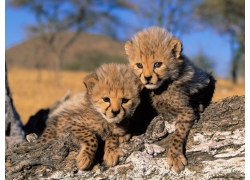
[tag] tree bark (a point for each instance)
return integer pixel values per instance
(215, 149)
(13, 126)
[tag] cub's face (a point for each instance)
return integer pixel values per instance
(114, 91)
(152, 70)
(154, 57)
(114, 104)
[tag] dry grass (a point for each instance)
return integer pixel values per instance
(31, 94)
(225, 88)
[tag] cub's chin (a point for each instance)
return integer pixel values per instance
(151, 86)
(154, 86)
(114, 120)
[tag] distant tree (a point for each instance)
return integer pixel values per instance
(227, 17)
(204, 61)
(56, 16)
(177, 16)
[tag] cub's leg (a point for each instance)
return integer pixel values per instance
(55, 127)
(89, 145)
(49, 133)
(111, 150)
(175, 154)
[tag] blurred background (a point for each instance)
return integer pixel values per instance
(50, 45)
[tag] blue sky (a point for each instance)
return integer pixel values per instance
(212, 44)
(15, 22)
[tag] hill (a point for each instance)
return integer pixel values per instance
(87, 52)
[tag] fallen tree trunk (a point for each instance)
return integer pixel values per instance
(215, 150)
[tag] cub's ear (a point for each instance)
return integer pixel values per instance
(90, 81)
(176, 47)
(128, 47)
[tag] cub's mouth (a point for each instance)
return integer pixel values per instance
(153, 82)
(116, 119)
(149, 83)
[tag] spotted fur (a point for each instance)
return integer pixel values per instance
(103, 111)
(174, 83)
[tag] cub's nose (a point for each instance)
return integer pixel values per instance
(147, 78)
(115, 112)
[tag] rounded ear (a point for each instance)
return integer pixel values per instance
(176, 47)
(90, 81)
(128, 47)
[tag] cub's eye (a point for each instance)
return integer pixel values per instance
(124, 100)
(139, 65)
(157, 64)
(106, 99)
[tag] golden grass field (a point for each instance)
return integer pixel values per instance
(31, 94)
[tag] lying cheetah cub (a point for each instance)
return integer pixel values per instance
(174, 83)
(104, 110)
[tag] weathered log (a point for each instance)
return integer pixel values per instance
(215, 149)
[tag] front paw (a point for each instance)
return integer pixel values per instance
(177, 160)
(111, 156)
(124, 138)
(105, 134)
(84, 160)
(118, 131)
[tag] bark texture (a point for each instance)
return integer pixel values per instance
(13, 126)
(215, 149)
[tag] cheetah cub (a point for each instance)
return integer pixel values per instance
(103, 110)
(175, 84)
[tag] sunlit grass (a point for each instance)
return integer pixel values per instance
(31, 94)
(225, 88)
(32, 89)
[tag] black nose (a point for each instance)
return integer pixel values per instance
(147, 78)
(115, 112)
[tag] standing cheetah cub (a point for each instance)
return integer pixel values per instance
(174, 83)
(104, 110)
